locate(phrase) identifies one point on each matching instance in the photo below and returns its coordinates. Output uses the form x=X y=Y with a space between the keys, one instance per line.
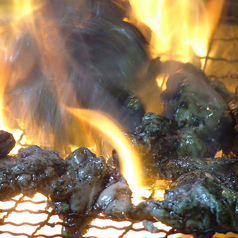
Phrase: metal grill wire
x=10 y=228
x=43 y=227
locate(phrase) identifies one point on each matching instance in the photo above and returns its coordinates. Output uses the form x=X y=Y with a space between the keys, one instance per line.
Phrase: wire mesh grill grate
x=36 y=229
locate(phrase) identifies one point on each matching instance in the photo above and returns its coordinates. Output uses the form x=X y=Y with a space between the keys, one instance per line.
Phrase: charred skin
x=33 y=171
x=7 y=143
x=196 y=200
x=89 y=186
x=158 y=138
x=83 y=185
x=77 y=188
x=155 y=137
x=73 y=194
x=200 y=112
x=223 y=168
x=83 y=181
x=196 y=121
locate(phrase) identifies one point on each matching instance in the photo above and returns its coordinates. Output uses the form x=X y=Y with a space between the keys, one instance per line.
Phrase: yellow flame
x=16 y=133
x=179 y=27
x=130 y=161
x=23 y=8
x=161 y=81
x=14 y=11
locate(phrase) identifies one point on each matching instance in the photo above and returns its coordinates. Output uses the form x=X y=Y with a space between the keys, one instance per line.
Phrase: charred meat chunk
x=115 y=200
x=155 y=136
x=223 y=168
x=78 y=188
x=158 y=138
x=7 y=143
x=89 y=186
x=192 y=101
x=33 y=171
x=196 y=200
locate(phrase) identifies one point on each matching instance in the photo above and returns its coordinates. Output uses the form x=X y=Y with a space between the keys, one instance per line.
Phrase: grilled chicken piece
x=115 y=200
x=157 y=137
x=200 y=112
x=88 y=186
x=196 y=200
x=223 y=168
x=33 y=171
x=7 y=143
x=82 y=182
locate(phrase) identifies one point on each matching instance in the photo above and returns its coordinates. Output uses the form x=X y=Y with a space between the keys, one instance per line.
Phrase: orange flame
x=130 y=161
x=14 y=12
x=179 y=27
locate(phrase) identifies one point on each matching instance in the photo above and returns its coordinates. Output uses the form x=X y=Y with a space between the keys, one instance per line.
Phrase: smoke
x=74 y=53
